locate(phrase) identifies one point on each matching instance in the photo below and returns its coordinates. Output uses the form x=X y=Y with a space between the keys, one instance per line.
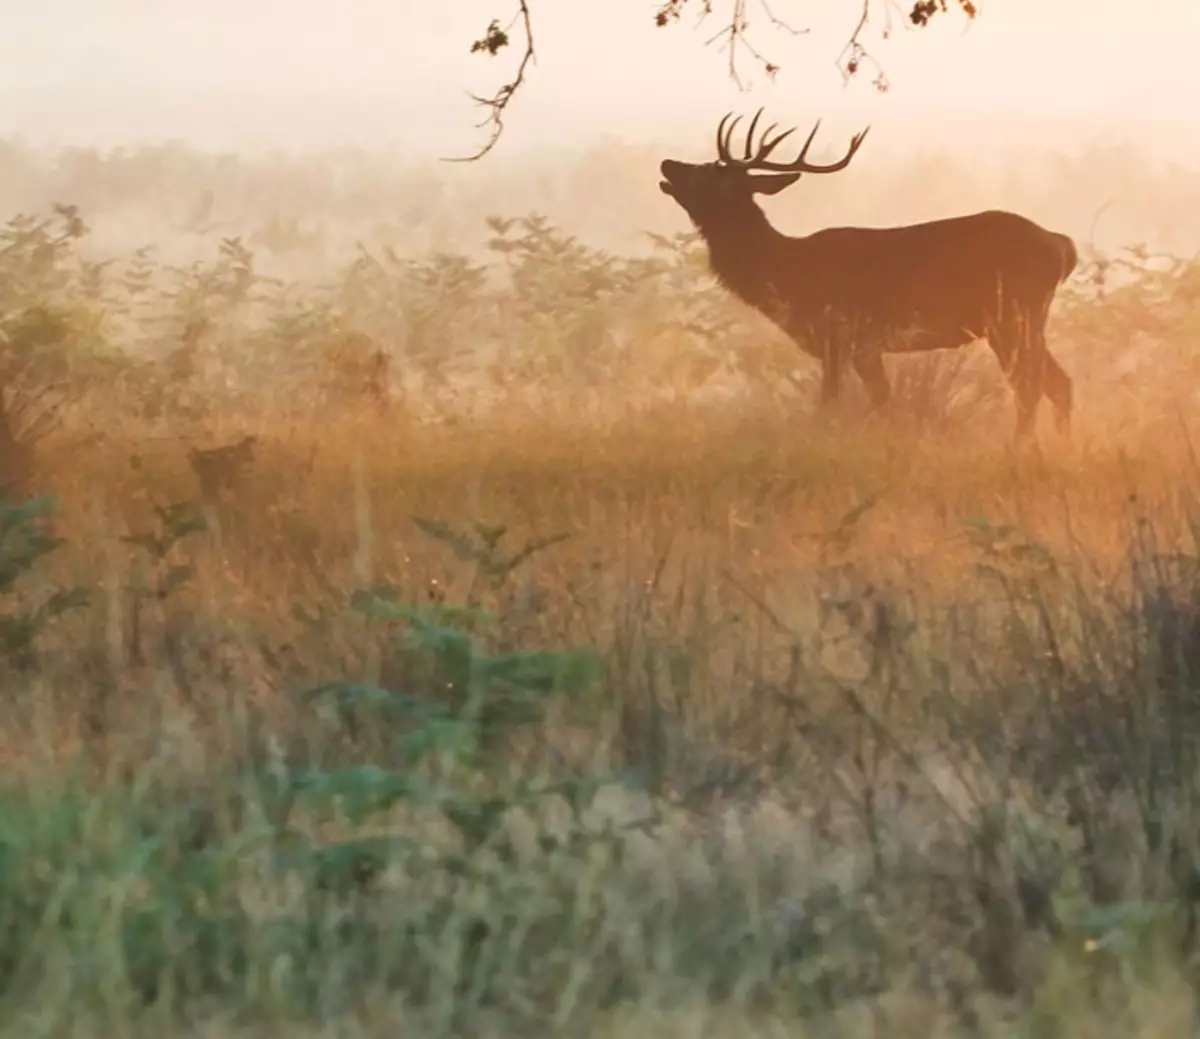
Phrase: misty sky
x=301 y=73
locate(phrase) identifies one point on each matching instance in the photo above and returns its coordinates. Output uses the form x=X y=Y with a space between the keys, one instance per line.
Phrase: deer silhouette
x=848 y=295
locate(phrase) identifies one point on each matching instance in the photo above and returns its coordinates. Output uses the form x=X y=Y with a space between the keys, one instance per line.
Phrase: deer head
x=723 y=190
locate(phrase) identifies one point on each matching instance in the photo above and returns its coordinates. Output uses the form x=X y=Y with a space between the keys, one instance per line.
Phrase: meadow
x=423 y=620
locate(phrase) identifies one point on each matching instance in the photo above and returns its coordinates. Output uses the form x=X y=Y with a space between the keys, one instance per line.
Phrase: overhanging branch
x=734 y=36
x=492 y=42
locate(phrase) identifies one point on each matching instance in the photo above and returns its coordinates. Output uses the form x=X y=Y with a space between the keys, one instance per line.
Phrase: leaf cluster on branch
x=734 y=36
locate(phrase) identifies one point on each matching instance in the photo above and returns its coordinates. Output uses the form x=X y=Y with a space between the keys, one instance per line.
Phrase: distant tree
x=735 y=36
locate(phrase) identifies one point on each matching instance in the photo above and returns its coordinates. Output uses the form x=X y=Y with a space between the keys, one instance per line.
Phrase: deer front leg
x=869 y=365
x=833 y=365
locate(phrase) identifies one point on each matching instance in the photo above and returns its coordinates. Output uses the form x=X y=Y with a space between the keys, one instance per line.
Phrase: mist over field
x=430 y=604
x=339 y=117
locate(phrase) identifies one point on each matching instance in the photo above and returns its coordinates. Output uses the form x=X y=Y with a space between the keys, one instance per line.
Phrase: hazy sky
x=310 y=72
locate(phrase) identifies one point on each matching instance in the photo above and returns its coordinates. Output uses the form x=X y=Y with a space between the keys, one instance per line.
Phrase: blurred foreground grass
x=686 y=724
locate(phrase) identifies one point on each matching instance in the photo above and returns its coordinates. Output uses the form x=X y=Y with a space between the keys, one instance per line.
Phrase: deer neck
x=746 y=256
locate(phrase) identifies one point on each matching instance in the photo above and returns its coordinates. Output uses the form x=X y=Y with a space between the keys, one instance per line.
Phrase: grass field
x=546 y=665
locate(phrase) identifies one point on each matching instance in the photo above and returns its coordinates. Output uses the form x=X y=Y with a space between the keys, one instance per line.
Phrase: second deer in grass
x=218 y=468
x=848 y=295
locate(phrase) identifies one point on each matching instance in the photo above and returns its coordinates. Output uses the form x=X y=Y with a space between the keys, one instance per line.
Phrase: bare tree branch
x=492 y=42
x=733 y=36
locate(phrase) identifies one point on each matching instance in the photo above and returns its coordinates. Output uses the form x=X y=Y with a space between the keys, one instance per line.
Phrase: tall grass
x=497 y=643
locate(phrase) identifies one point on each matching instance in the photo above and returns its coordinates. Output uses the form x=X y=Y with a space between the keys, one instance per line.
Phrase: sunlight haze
x=313 y=73
x=637 y=584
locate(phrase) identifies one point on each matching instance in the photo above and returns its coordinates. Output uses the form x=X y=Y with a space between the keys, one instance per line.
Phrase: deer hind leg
x=833 y=366
x=1056 y=385
x=1059 y=390
x=869 y=365
x=1020 y=347
x=1028 y=380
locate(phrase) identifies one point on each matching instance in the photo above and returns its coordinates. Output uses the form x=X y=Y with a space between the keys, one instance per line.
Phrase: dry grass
x=757 y=587
x=896 y=725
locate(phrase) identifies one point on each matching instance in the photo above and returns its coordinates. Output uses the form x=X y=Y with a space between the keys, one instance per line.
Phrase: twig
x=857 y=53
x=496 y=39
x=735 y=33
x=778 y=22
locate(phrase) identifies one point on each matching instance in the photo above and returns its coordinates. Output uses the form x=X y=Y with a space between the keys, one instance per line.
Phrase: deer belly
x=917 y=340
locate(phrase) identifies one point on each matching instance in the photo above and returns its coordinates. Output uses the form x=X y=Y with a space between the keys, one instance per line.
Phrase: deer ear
x=773 y=184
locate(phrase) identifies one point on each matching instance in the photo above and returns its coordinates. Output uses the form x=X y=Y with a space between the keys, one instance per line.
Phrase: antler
x=758 y=159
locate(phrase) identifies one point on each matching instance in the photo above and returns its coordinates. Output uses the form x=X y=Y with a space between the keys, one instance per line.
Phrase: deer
x=848 y=295
x=218 y=468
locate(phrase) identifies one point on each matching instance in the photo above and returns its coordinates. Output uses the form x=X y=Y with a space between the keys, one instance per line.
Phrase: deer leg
x=1060 y=392
x=833 y=366
x=869 y=365
x=1022 y=359
x=1055 y=384
x=1028 y=382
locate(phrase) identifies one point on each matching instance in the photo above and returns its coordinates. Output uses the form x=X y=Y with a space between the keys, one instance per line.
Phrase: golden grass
x=720 y=534
x=834 y=652
x=678 y=516
x=743 y=486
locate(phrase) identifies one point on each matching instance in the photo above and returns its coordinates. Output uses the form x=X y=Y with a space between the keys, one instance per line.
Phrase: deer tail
x=1069 y=257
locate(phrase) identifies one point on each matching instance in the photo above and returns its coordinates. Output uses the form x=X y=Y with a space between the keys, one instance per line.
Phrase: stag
x=848 y=295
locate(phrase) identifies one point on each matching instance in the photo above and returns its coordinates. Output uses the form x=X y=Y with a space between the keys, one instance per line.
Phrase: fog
x=311 y=74
x=1059 y=109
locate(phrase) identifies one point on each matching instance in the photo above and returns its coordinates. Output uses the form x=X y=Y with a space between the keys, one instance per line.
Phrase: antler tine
x=765 y=134
x=723 y=141
x=753 y=159
x=749 y=154
x=801 y=164
x=842 y=163
x=723 y=145
x=729 y=138
x=769 y=146
x=802 y=158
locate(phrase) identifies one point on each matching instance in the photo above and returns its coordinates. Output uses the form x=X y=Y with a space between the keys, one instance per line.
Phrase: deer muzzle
x=669 y=169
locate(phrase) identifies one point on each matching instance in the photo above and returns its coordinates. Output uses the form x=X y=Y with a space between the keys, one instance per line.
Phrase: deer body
x=848 y=295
